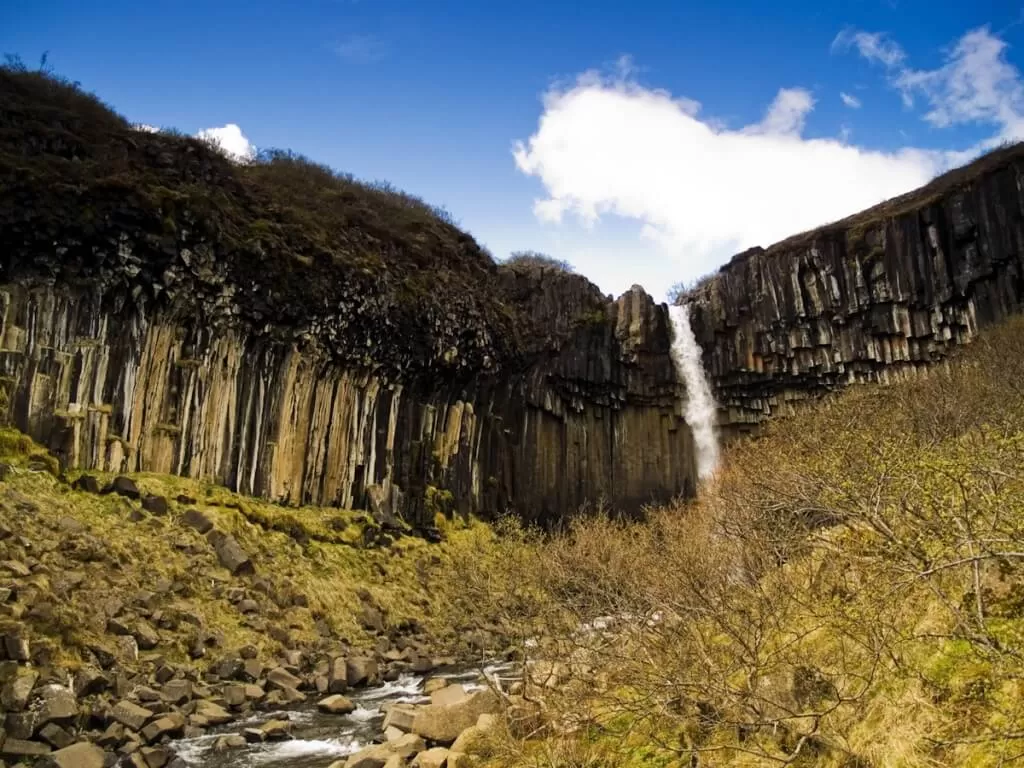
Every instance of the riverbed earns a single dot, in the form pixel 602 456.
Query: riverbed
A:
pixel 319 739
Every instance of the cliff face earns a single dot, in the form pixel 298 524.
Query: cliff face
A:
pixel 293 333
pixel 877 297
pixel 136 391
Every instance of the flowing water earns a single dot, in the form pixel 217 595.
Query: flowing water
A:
pixel 320 739
pixel 700 403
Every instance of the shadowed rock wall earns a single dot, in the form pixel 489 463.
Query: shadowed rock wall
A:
pixel 878 297
pixel 596 414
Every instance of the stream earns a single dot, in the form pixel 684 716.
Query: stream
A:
pixel 320 739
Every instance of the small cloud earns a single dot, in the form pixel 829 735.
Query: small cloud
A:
pixel 851 101
pixel 786 114
pixel 231 141
pixel 145 128
pixel 364 49
pixel 873 46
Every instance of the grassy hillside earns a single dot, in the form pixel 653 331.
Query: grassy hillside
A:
pixel 848 592
pixel 90 201
pixel 72 561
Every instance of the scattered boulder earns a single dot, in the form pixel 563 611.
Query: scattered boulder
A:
pixel 283 680
pixel 81 755
pixel 406 746
pixel 155 505
pixel 450 694
pixel 336 705
pixel 171 724
pixel 212 713
pixel 193 518
pixel 19 748
pixel 56 736
pixel 401 716
pixel 370 757
pixel 442 723
pixel 55 704
pixel 432 684
pixel 176 692
pixel 14 695
pixel 123 486
pixel 86 483
pixel 131 715
pixel 361 672
pixel 15 642
pixel 431 758
pixel 474 738
pixel 230 553
pixel 89 681
pixel 337 675
pixel 232 741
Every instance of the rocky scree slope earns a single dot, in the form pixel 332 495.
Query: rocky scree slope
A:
pixel 298 335
pixel 876 297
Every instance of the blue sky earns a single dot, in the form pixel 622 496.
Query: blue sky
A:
pixel 643 141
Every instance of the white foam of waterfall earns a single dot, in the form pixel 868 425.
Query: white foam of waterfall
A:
pixel 700 403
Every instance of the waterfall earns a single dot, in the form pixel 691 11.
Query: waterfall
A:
pixel 700 403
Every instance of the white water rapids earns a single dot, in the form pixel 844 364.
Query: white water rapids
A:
pixel 700 403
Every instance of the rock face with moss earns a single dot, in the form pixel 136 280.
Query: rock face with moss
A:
pixel 297 335
pixel 877 297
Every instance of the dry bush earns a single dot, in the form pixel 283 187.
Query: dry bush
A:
pixel 848 591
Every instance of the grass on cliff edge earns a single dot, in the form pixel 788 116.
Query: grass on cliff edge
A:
pixel 849 591
pixel 315 584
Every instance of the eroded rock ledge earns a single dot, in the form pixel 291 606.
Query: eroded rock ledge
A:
pixel 877 297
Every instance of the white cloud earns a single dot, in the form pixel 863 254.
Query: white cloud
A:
pixel 849 100
pixel 608 149
pixel 608 146
pixel 231 141
pixel 873 46
pixel 145 128
pixel 976 85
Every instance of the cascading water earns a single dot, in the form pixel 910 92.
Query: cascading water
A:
pixel 700 403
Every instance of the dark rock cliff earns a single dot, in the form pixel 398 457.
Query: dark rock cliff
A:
pixel 876 297
pixel 298 335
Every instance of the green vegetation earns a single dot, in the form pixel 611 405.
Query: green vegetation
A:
pixel 316 568
pixel 849 591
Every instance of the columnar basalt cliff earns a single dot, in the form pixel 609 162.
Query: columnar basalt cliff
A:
pixel 876 297
pixel 298 335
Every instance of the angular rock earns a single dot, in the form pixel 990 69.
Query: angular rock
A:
pixel 281 679
pixel 86 483
pixel 177 691
pixel 361 672
pixel 213 713
pixel 14 695
pixel 450 694
pixel 431 758
pixel 370 757
pixel 231 741
pixel 19 748
pixel 15 643
pixel 401 716
pixel 444 723
pixel 336 705
pixel 406 746
pixel 432 684
pixel 123 486
pixel 56 736
pixel 145 635
pixel 171 724
pixel 130 715
pixel 155 505
pixel 89 681
pixel 234 695
pixel 81 755
pixel 197 520
pixel 54 704
pixel 230 553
